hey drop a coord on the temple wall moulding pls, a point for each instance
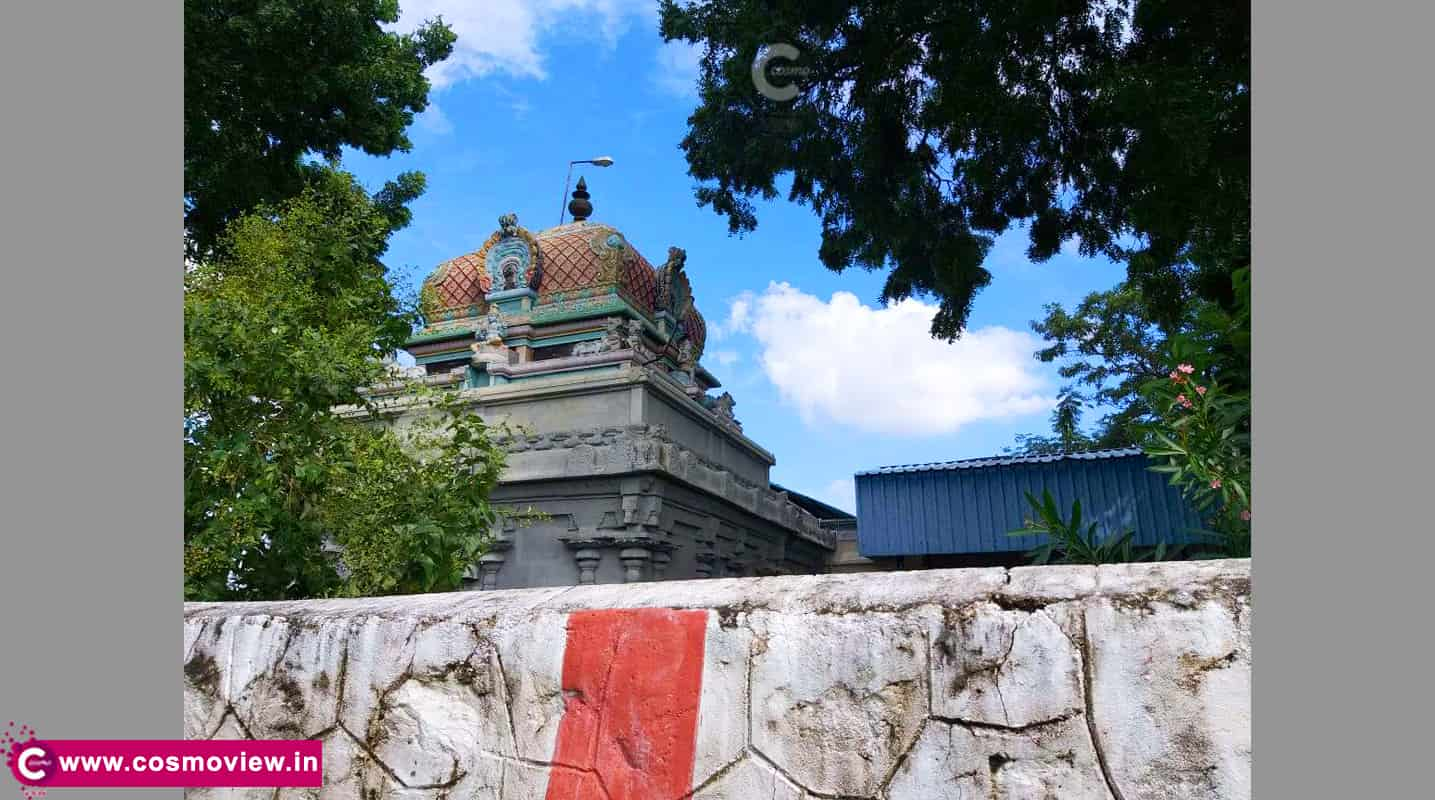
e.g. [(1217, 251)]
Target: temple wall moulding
[(637, 448)]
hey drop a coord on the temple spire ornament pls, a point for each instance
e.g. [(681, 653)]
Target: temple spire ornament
[(579, 207)]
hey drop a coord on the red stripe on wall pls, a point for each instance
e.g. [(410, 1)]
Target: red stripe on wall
[(632, 681)]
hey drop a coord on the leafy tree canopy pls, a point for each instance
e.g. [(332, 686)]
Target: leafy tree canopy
[(1067, 435), (268, 83), (1110, 348), (291, 314), (289, 310), (923, 128)]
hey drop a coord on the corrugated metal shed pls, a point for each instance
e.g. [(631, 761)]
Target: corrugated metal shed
[(968, 506)]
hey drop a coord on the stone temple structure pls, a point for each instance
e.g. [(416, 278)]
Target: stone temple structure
[(592, 358)]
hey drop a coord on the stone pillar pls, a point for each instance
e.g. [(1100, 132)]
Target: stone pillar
[(705, 564), (587, 559), (733, 566), (634, 560), (661, 559), (488, 566)]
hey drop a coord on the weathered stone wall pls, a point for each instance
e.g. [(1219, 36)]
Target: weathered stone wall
[(1121, 682)]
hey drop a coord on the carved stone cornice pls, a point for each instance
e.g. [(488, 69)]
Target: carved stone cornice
[(450, 378), (649, 448)]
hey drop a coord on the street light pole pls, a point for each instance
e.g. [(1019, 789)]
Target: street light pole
[(600, 161)]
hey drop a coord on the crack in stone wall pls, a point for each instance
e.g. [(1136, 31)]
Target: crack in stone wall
[(1114, 683)]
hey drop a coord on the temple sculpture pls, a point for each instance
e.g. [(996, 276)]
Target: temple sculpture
[(589, 359)]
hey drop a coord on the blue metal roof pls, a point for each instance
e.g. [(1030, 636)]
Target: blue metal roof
[(968, 506), (1001, 461)]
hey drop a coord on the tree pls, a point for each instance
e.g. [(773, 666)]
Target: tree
[(268, 83), (1065, 426), (920, 129), (1066, 420), (289, 311), (1109, 345), (283, 325)]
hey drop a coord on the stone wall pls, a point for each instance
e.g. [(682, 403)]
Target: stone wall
[(1121, 682)]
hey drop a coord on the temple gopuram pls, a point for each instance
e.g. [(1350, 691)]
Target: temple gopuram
[(570, 340)]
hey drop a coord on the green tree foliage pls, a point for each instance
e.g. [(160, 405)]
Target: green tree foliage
[(1200, 432), (1067, 436), (1109, 346), (412, 514), (923, 128), (291, 314), (288, 311), (1066, 421), (268, 83)]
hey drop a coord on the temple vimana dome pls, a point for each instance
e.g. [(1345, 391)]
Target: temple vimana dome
[(588, 360)]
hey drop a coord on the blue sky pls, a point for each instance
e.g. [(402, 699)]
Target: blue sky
[(824, 377)]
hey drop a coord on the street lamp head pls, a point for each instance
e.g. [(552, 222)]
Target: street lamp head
[(600, 161)]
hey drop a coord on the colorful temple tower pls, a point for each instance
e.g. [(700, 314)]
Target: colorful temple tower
[(592, 358)]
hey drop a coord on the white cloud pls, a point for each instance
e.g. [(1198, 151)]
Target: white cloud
[(677, 69), (726, 358), (738, 316), (841, 493), (880, 371), (505, 36)]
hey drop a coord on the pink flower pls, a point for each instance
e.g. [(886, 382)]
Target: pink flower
[(1215, 483), (1186, 368), (1200, 390), (1183, 401), (1176, 376), (1246, 514)]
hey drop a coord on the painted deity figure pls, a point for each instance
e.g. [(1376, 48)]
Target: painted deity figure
[(613, 336), (493, 328), (635, 342), (672, 283), (687, 363)]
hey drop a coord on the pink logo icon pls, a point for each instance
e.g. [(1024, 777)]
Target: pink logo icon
[(30, 760)]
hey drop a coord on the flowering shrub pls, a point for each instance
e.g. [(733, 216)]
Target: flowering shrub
[(1202, 438)]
